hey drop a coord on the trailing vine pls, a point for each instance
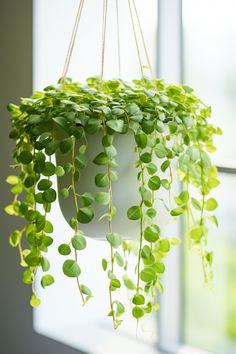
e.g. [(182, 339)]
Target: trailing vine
[(171, 131)]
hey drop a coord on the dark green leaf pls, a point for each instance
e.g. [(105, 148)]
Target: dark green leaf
[(134, 212), (154, 183), (85, 215), (64, 249)]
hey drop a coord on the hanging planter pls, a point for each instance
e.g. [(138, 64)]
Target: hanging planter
[(117, 147)]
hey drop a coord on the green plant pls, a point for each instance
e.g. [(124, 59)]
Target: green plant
[(170, 128)]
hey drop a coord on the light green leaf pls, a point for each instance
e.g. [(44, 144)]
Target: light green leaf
[(78, 242), (114, 239), (211, 204), (71, 268), (138, 312), (47, 280)]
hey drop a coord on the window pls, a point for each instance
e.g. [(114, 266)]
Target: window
[(209, 30)]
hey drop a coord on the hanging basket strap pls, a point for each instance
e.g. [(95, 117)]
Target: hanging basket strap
[(72, 42)]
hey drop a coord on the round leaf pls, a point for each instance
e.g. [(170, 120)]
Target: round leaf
[(134, 212), (71, 268), (79, 242)]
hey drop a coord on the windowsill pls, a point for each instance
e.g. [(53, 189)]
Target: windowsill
[(97, 339)]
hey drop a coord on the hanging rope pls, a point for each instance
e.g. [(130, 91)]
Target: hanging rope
[(143, 40), (136, 39), (72, 41), (118, 38), (104, 27)]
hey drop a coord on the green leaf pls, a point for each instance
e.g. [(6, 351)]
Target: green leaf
[(118, 111), (151, 233), (184, 197), (101, 159), (101, 180), (173, 127), (59, 171), (48, 227), (165, 165), (44, 184), (134, 212), (32, 259), (79, 242), (34, 300), (151, 168), (148, 275), (104, 264), (115, 284), (146, 252), (86, 199), (146, 157), (138, 312), (107, 140), (25, 157), (119, 259), (28, 276), (47, 280), (159, 267), (49, 169), (71, 268), (128, 282), (81, 161), (196, 204), (151, 213), (111, 151), (160, 151), (116, 125), (146, 196), (196, 233), (175, 241), (44, 264), (154, 183), (85, 215), (138, 299), (49, 196), (15, 238), (85, 290), (66, 145), (64, 193), (64, 249), (120, 309), (141, 140), (165, 183), (12, 180), (211, 204), (114, 239), (102, 198), (176, 211), (164, 245)]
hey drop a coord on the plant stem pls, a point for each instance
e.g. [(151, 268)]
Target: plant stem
[(76, 209), (111, 248), (141, 227)]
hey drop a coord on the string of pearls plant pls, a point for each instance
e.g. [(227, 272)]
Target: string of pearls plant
[(169, 125)]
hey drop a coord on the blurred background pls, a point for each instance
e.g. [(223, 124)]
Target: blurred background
[(189, 41)]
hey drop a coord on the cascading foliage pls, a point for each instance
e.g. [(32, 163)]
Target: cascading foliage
[(170, 128)]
